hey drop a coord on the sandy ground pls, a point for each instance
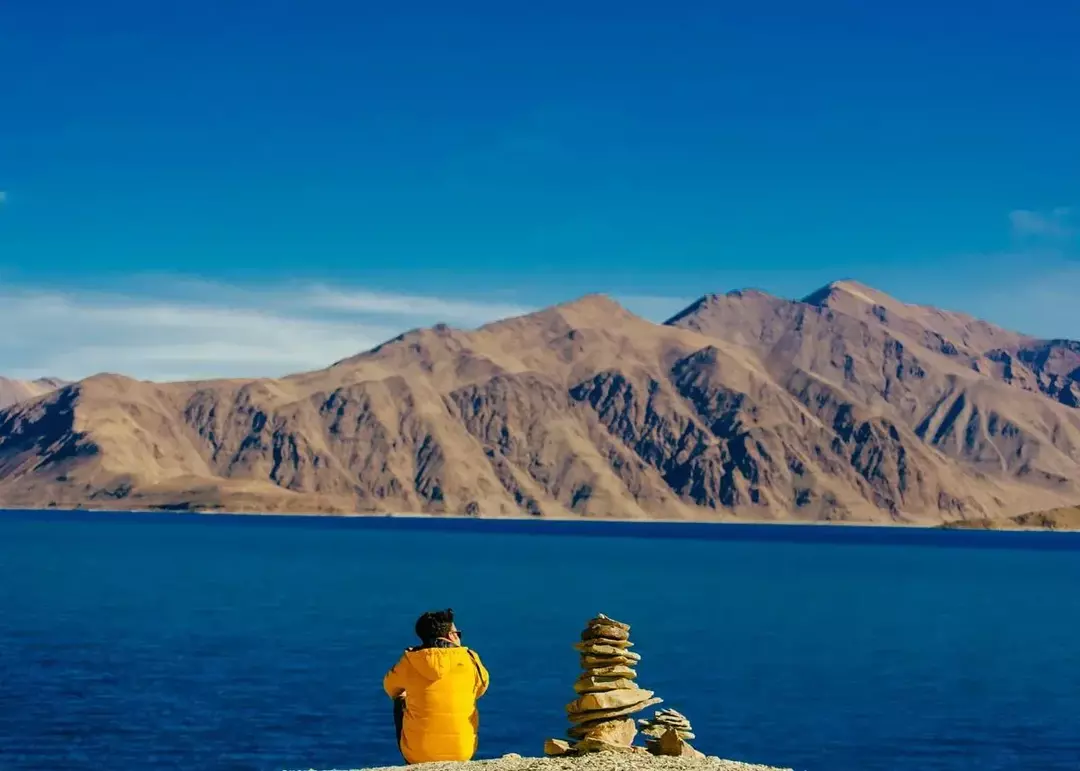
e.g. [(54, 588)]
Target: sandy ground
[(604, 761)]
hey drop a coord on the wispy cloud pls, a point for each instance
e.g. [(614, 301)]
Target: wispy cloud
[(192, 329), (472, 313), (180, 328), (1054, 224), (3, 197)]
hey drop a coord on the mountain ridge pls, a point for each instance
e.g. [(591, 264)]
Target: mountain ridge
[(14, 390), (847, 405)]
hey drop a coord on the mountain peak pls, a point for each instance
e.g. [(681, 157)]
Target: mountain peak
[(848, 289), (13, 391), (594, 301), (594, 309)]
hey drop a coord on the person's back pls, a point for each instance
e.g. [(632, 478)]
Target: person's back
[(435, 687)]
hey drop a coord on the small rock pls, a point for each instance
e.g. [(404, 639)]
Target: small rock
[(605, 714), (609, 731), (602, 620), (664, 720), (604, 632), (595, 745), (556, 747)]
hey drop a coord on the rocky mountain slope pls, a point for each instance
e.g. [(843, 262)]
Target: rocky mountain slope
[(846, 405), (1064, 518), (13, 391)]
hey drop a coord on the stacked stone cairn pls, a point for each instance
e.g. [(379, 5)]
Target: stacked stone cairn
[(607, 693), (669, 733)]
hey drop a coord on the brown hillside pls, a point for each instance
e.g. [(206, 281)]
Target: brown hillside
[(848, 405), (1065, 518)]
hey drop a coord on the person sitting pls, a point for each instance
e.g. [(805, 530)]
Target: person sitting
[(435, 686)]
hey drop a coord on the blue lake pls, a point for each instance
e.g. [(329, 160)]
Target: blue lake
[(181, 641)]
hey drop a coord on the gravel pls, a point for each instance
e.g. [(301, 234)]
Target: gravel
[(601, 761)]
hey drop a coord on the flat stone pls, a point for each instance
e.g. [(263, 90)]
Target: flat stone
[(595, 716), (671, 712), (624, 697), (656, 731), (622, 645), (666, 720), (619, 653), (613, 648), (616, 731), (612, 671), (613, 731), (590, 663), (586, 684), (556, 747), (586, 746), (600, 632), (671, 723)]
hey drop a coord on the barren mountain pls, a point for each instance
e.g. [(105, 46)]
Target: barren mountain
[(846, 405), (12, 391)]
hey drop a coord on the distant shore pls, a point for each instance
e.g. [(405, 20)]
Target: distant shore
[(979, 525)]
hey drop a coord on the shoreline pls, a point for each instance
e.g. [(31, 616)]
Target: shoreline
[(540, 521)]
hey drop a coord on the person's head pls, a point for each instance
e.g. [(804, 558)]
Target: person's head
[(438, 624)]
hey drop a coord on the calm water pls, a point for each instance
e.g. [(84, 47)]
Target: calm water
[(142, 641)]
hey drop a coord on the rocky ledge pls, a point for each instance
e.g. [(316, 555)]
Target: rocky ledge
[(601, 761)]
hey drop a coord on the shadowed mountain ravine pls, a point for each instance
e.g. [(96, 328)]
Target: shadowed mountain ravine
[(847, 405)]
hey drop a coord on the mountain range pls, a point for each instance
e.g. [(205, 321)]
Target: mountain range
[(847, 405)]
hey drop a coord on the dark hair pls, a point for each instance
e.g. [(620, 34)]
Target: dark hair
[(434, 624)]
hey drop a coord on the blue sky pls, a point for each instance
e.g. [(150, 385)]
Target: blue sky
[(184, 185)]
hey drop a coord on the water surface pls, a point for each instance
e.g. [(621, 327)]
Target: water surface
[(177, 641)]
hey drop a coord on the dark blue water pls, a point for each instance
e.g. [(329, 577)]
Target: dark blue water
[(151, 641)]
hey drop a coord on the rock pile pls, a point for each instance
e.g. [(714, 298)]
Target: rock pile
[(664, 719), (670, 733), (607, 693)]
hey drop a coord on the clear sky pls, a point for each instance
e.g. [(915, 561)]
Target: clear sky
[(223, 187)]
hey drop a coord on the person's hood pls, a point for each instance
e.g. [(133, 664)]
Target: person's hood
[(433, 663)]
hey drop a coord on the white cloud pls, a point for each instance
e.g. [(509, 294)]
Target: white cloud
[(177, 328), (1054, 224), (192, 329), (405, 305)]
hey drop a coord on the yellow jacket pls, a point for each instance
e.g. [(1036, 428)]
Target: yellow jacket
[(440, 686)]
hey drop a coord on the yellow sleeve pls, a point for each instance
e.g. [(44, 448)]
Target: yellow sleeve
[(394, 682), (483, 679)]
